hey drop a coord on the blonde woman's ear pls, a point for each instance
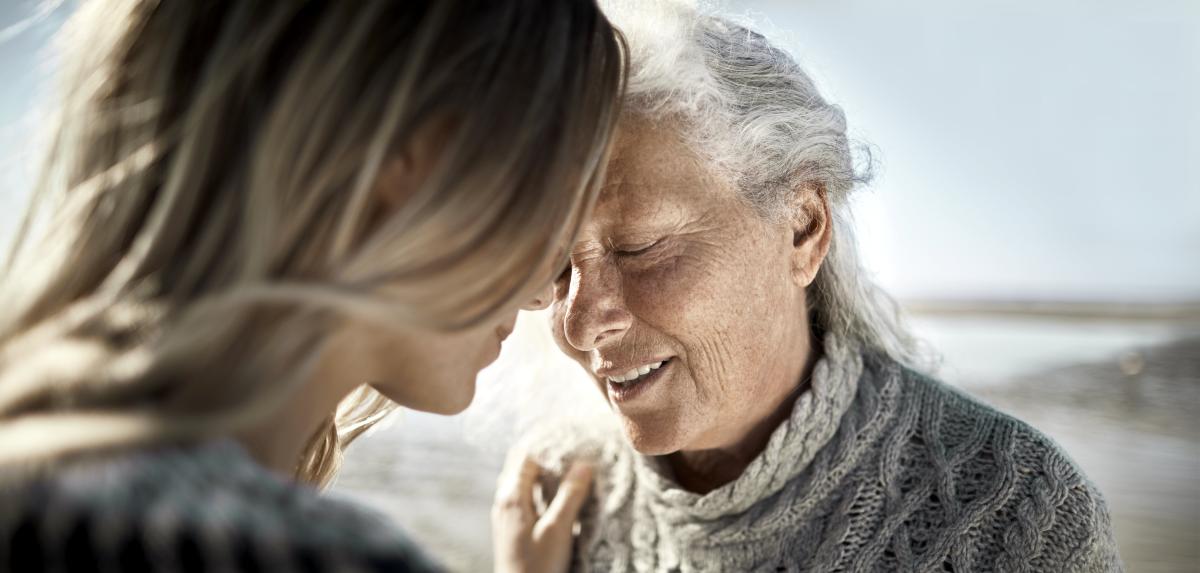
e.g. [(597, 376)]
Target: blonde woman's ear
[(401, 175), (396, 181)]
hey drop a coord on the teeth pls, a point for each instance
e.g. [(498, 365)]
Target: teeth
[(635, 373)]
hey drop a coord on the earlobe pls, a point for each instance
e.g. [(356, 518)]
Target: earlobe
[(396, 180), (812, 232)]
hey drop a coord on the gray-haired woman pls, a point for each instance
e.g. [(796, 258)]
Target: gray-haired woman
[(774, 412), (263, 225)]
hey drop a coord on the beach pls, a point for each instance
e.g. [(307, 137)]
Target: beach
[(1122, 397)]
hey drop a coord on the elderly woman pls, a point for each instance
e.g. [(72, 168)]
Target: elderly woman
[(774, 412)]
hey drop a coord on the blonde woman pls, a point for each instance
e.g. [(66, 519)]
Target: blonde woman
[(261, 226)]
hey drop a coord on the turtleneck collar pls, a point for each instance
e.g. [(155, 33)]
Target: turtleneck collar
[(792, 445)]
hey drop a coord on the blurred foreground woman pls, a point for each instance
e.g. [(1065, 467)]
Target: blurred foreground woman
[(261, 226)]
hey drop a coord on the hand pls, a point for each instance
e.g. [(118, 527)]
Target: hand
[(523, 541)]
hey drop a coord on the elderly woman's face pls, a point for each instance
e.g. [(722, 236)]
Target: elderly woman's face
[(685, 305)]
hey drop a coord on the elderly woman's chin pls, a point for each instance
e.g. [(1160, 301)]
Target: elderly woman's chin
[(654, 434)]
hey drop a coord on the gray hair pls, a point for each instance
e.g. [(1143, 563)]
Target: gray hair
[(747, 106)]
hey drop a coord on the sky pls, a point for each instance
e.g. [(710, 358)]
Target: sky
[(1029, 149), (26, 28)]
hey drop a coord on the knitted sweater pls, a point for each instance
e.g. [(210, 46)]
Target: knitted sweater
[(878, 469), (199, 508)]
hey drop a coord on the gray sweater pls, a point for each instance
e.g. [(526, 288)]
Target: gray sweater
[(879, 468)]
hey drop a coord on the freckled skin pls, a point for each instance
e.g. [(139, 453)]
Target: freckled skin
[(673, 263)]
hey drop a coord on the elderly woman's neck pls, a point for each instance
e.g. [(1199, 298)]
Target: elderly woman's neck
[(704, 470)]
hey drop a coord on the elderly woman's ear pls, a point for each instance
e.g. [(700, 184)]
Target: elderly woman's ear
[(812, 231)]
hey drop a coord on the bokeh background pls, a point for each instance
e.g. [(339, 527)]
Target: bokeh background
[(1036, 210)]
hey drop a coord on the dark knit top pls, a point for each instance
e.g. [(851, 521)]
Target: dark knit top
[(200, 508)]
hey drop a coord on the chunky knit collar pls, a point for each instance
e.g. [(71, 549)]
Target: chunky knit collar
[(813, 422), (908, 475)]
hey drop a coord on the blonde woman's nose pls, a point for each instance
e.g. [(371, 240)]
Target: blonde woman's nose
[(542, 300)]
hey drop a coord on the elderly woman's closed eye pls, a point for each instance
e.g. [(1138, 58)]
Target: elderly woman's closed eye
[(773, 409)]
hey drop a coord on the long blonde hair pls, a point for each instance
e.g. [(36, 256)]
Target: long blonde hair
[(208, 209)]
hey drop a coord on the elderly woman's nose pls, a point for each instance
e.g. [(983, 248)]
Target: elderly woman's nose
[(595, 313), (541, 300)]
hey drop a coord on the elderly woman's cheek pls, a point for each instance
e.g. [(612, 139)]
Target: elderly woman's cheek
[(669, 271), (657, 286)]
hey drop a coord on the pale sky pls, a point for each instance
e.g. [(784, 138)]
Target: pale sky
[(1029, 149)]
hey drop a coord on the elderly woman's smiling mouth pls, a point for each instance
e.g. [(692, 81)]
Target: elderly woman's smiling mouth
[(624, 385)]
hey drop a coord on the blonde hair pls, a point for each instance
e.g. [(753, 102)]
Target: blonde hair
[(208, 210)]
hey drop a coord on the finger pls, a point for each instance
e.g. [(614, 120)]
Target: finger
[(564, 508), (518, 467), (515, 490)]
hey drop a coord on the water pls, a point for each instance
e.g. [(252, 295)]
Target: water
[(1122, 397)]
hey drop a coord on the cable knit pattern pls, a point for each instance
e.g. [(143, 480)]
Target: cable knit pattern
[(878, 469)]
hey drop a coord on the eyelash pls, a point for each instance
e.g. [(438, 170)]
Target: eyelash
[(566, 271), (636, 252)]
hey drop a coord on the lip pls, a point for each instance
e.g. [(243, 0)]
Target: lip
[(502, 334), (628, 365), (625, 393), (492, 355)]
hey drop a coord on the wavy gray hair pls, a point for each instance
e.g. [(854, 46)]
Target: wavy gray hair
[(746, 105)]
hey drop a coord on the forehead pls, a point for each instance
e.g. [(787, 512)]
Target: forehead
[(653, 174)]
